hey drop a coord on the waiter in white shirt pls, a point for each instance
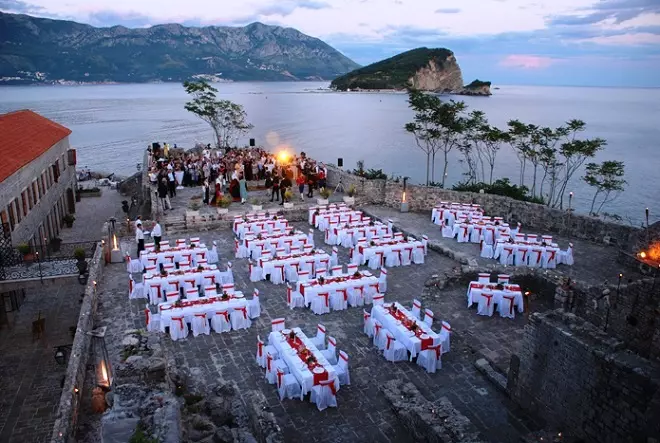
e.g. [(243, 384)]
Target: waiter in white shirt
[(139, 237), (156, 234)]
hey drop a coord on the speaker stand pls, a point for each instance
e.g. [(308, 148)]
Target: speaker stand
[(340, 185)]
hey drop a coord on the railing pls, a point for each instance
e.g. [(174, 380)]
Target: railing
[(48, 260)]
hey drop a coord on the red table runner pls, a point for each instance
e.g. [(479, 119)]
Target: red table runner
[(304, 355), (328, 280), (408, 323)]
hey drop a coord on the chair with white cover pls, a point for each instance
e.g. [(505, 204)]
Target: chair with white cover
[(382, 281), (356, 296), (319, 339), (277, 324), (228, 275), (294, 299), (380, 337), (339, 299), (200, 324), (521, 255), (566, 257), (535, 257), (220, 321), (506, 306), (172, 297), (486, 303), (288, 386), (445, 333), (503, 279), (394, 351), (310, 238), (486, 250), (347, 240), (135, 290), (425, 242), (351, 269), (392, 258), (262, 348), (155, 293), (291, 271), (506, 255), (255, 271), (378, 300), (447, 231), (428, 317), (406, 255), (210, 291), (368, 292), (133, 266), (341, 369), (337, 270), (213, 254), (320, 303), (418, 254), (334, 260), (272, 365), (192, 294), (416, 310), (324, 395), (169, 267), (303, 276), (321, 272), (178, 328), (368, 325), (278, 277), (153, 320), (550, 257), (484, 277), (330, 353), (239, 318), (254, 307), (430, 358)]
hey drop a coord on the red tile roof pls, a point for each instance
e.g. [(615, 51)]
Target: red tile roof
[(24, 136)]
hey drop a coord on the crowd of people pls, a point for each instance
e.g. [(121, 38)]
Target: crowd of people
[(220, 172)]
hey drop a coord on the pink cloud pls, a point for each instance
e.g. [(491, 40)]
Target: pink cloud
[(527, 61)]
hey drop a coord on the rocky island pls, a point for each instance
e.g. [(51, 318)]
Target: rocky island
[(427, 69)]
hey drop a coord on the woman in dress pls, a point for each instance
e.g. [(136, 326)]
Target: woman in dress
[(242, 183)]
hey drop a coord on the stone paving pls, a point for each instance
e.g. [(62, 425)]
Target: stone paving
[(91, 213), (594, 262), (30, 379), (363, 413)]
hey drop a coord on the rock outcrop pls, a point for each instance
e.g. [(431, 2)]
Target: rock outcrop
[(438, 75), (477, 87)]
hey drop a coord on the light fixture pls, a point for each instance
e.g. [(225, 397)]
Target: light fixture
[(102, 366), (61, 354)]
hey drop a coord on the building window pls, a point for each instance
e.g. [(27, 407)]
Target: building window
[(17, 210), (63, 163), (42, 186), (10, 211), (35, 192), (56, 171), (24, 200), (5, 219)]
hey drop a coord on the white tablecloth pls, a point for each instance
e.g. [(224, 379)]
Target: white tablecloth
[(359, 230), (156, 258), (281, 241), (268, 266), (535, 253), (405, 336), (255, 227), (296, 366), (361, 255), (475, 289), (209, 309), (323, 220), (311, 289), (342, 207)]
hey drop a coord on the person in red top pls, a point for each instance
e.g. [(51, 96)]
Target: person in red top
[(300, 181)]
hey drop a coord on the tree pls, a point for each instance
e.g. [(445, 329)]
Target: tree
[(606, 177), (451, 125), (519, 139), (227, 119), (470, 145), (424, 127), (492, 139)]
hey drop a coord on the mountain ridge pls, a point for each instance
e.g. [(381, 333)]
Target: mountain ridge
[(42, 50)]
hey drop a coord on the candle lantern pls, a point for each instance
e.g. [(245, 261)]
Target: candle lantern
[(102, 365), (404, 201)]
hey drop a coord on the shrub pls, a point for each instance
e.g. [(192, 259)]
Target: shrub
[(288, 195), (501, 187), (325, 193), (375, 174), (79, 253), (352, 190), (224, 201), (24, 248)]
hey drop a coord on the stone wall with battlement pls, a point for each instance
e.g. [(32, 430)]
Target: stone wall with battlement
[(584, 382), (532, 216)]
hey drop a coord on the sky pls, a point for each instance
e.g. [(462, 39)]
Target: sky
[(523, 42)]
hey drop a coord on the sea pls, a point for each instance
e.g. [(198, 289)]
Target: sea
[(113, 124)]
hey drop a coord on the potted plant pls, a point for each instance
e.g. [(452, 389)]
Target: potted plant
[(288, 195), (349, 198), (223, 204), (193, 209), (79, 254), (55, 244), (325, 194), (255, 204), (69, 219), (26, 250)]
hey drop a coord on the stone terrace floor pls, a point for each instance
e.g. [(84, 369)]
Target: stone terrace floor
[(594, 263), (30, 379), (363, 414)]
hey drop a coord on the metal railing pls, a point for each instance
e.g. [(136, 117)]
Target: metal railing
[(55, 258)]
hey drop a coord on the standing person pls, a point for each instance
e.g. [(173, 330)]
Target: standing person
[(157, 234), (162, 194), (321, 176), (276, 187), (171, 182), (139, 237), (285, 184), (205, 189), (242, 184), (300, 181)]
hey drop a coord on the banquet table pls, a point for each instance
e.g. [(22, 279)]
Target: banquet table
[(268, 265), (475, 289), (323, 221), (297, 367), (312, 288), (415, 342), (531, 254), (253, 217), (336, 209), (208, 305), (179, 279), (357, 230), (255, 227), (270, 242), (454, 213), (173, 255), (362, 254)]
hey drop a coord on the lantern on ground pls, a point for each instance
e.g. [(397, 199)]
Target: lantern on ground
[(102, 366), (404, 201)]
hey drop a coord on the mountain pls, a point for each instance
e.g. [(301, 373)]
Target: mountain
[(426, 69), (43, 50)]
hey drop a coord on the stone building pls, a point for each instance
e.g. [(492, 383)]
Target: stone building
[(37, 178)]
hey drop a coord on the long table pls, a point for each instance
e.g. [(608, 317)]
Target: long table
[(406, 337), (318, 257), (476, 288), (208, 306), (312, 288)]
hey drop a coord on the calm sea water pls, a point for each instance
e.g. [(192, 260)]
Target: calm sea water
[(113, 124)]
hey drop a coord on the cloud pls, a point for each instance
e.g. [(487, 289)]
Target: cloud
[(447, 11), (20, 7), (286, 8), (527, 61), (617, 11), (635, 39)]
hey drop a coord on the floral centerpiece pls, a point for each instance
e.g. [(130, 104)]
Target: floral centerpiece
[(357, 274), (321, 280), (310, 359), (372, 223), (292, 232), (225, 296), (200, 268), (414, 327), (178, 304), (259, 236), (372, 243), (292, 335)]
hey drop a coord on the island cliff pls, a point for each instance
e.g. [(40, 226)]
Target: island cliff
[(434, 70)]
